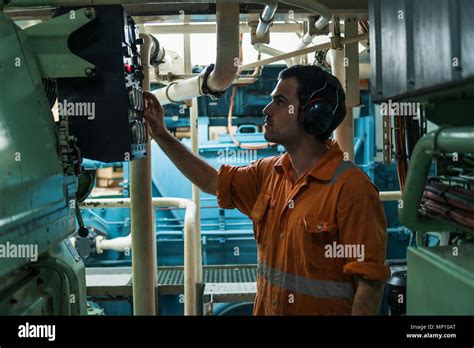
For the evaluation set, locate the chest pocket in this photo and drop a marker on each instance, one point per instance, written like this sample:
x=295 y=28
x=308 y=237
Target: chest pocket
x=261 y=215
x=317 y=237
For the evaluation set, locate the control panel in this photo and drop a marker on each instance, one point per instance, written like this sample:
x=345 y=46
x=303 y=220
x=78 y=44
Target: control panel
x=105 y=110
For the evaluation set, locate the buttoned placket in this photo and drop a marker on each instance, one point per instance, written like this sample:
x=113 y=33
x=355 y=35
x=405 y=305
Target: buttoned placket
x=283 y=214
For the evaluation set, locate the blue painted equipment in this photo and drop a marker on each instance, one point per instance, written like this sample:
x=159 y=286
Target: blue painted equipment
x=227 y=235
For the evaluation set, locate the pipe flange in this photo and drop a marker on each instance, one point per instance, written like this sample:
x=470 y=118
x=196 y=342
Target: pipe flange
x=168 y=96
x=157 y=57
x=205 y=88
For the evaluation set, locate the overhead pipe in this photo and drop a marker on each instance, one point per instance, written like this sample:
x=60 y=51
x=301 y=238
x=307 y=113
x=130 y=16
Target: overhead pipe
x=306 y=50
x=267 y=16
x=266 y=19
x=211 y=28
x=305 y=41
x=323 y=11
x=262 y=48
x=119 y=244
x=215 y=79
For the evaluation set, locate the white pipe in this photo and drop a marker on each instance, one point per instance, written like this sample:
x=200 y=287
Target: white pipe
x=306 y=50
x=315 y=7
x=190 y=296
x=271 y=52
x=266 y=18
x=304 y=42
x=227 y=55
x=225 y=70
x=165 y=29
x=141 y=215
x=390 y=196
x=121 y=244
x=196 y=197
x=196 y=193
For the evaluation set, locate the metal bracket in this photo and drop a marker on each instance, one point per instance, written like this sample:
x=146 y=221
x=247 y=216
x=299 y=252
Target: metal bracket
x=205 y=88
x=253 y=36
x=310 y=27
x=49 y=42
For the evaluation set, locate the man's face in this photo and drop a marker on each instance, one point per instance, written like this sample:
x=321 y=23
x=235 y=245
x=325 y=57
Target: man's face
x=281 y=124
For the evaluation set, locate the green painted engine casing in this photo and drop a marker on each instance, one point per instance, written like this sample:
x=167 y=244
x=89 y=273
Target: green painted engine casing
x=34 y=192
x=36 y=197
x=54 y=285
x=441 y=280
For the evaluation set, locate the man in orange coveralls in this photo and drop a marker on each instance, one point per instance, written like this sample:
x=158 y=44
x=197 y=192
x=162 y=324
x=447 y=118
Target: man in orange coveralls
x=318 y=220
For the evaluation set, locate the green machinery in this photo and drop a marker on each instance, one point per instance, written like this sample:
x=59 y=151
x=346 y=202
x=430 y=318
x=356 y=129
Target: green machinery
x=428 y=61
x=40 y=272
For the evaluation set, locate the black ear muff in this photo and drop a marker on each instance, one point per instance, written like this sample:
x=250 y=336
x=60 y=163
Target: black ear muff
x=316 y=116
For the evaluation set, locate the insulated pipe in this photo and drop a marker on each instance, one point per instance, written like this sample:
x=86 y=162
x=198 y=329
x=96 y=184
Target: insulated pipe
x=386 y=196
x=271 y=52
x=443 y=140
x=211 y=28
x=121 y=244
x=227 y=56
x=315 y=7
x=141 y=214
x=225 y=69
x=306 y=50
x=190 y=296
x=266 y=18
x=196 y=197
x=305 y=41
x=344 y=133
x=196 y=251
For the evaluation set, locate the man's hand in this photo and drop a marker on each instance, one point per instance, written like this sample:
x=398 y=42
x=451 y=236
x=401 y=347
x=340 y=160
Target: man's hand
x=154 y=115
x=367 y=297
x=194 y=168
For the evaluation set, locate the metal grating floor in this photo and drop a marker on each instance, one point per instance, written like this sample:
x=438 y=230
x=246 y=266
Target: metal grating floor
x=117 y=281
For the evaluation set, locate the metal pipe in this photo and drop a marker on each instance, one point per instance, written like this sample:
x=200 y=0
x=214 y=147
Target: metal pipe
x=189 y=238
x=315 y=7
x=227 y=50
x=211 y=28
x=305 y=41
x=262 y=48
x=225 y=70
x=143 y=235
x=386 y=196
x=196 y=193
x=266 y=18
x=306 y=50
x=443 y=140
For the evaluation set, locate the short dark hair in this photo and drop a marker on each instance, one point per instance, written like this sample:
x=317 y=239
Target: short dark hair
x=311 y=78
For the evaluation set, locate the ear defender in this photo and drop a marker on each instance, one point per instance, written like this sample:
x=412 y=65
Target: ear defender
x=317 y=114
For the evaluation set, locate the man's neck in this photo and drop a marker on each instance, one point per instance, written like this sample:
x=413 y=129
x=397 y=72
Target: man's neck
x=304 y=156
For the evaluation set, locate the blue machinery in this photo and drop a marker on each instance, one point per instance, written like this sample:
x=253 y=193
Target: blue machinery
x=227 y=235
x=40 y=190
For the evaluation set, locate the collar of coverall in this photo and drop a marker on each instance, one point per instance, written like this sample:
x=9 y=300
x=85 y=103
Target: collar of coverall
x=323 y=170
